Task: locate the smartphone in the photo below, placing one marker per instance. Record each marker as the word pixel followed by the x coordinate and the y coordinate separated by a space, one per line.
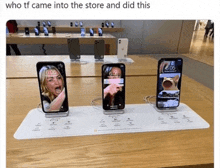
pixel 52 86
pixel 122 48
pixel 107 24
pixel 76 24
pixel 83 32
pixel 38 28
pixel 74 48
pixel 169 78
pixel 36 31
pixel 99 49
pixel 46 33
pixel 100 31
pixel 113 86
pixel 49 24
pixel 81 24
pixel 44 24
pixel 71 24
pixel 26 29
pixel 112 25
pixel 103 24
pixel 91 31
pixel 53 30
pixel 38 24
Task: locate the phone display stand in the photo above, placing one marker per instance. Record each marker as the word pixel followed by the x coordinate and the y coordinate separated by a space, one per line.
pixel 165 109
pixel 100 60
pixel 153 104
pixel 125 60
pixel 110 112
pixel 59 114
pixel 88 120
pixel 53 115
pixel 97 103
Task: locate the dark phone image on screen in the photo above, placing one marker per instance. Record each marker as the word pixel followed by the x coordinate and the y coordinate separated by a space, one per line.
pixel 100 32
pixel 113 86
pixel 53 30
pixel 99 49
pixel 52 86
pixel 169 78
pixel 74 48
pixel 26 31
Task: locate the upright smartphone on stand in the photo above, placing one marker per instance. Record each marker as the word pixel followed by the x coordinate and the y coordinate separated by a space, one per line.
pixel 83 32
pixel 91 32
pixel 49 24
pixel 100 33
pixel 53 30
pixel 46 33
pixel 26 29
pixel 122 48
pixel 44 24
pixel 99 49
pixel 74 48
pixel 169 78
pixel 52 86
pixel 36 31
pixel 113 86
pixel 112 25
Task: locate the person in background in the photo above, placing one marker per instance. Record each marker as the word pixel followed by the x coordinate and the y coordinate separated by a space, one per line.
pixel 207 28
pixel 12 27
pixel 212 32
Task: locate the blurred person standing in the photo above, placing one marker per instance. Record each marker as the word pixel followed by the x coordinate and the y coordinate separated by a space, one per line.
pixel 12 28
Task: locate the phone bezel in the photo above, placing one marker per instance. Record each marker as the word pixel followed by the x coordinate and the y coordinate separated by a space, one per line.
pixel 179 82
pixel 113 65
pixel 39 65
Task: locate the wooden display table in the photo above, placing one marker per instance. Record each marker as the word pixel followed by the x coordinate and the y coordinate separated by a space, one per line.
pixel 61 29
pixel 149 149
pixel 25 66
pixel 61 38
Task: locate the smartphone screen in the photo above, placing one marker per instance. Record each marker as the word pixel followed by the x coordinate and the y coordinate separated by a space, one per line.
pixel 99 49
pixel 169 82
pixel 113 86
pixel 49 24
pixel 100 31
pixel 83 32
pixel 26 31
pixel 36 31
pixel 91 31
pixel 54 30
pixel 46 33
pixel 74 48
pixel 52 86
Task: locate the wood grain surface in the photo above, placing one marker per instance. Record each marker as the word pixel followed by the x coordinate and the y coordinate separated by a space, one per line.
pixel 25 66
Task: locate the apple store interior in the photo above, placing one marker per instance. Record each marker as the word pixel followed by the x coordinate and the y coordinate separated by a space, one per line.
pixel 137 132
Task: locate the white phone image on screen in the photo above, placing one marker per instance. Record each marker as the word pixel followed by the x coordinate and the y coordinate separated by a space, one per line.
pixel 122 48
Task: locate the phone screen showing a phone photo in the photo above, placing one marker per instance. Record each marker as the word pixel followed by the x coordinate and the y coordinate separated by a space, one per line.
pixel 169 82
pixel 113 86
pixel 52 86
